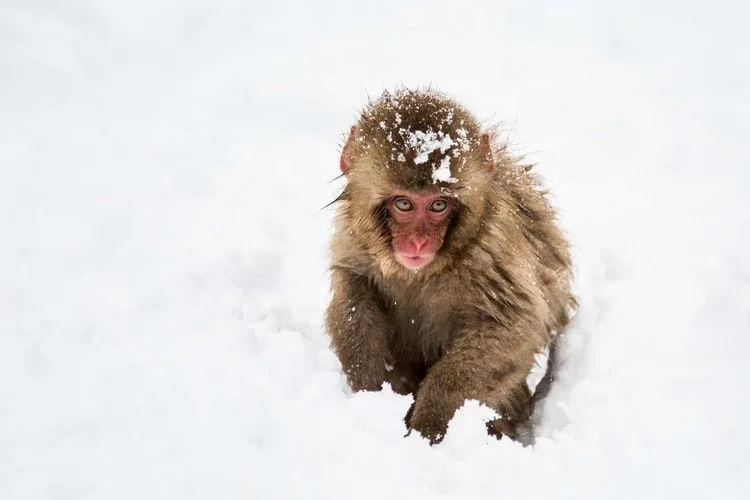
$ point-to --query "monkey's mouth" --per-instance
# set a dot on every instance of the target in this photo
(414, 261)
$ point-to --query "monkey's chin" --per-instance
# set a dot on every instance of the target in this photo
(413, 263)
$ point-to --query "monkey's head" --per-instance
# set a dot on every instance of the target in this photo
(418, 167)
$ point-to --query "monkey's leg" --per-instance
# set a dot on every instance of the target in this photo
(481, 366)
(514, 421)
(359, 331)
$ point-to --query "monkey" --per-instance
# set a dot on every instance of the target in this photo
(449, 271)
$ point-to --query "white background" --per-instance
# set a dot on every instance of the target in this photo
(163, 252)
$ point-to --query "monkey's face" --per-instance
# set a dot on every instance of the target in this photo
(418, 223)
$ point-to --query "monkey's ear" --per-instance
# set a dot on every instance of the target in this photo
(485, 147)
(345, 162)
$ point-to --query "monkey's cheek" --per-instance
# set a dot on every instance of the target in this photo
(414, 263)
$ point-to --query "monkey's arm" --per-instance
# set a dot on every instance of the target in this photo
(489, 365)
(359, 330)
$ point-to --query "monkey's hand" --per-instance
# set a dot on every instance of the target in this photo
(359, 331)
(430, 413)
(477, 367)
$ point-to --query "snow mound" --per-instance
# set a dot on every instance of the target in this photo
(163, 278)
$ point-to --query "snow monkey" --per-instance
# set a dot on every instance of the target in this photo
(448, 271)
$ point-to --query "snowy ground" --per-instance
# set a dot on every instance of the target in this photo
(163, 252)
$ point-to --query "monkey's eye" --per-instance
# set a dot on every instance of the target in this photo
(439, 205)
(403, 204)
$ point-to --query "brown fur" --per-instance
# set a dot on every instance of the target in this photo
(469, 324)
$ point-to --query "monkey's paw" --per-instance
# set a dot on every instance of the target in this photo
(430, 423)
(520, 432)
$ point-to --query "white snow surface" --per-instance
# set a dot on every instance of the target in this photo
(163, 252)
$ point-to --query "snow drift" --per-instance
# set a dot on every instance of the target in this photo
(163, 166)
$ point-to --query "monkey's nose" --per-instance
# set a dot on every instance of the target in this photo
(419, 242)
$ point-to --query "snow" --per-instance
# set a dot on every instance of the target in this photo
(425, 142)
(443, 172)
(163, 252)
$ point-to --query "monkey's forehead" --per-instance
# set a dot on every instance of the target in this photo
(447, 176)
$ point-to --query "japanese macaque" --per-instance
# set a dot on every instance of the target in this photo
(449, 273)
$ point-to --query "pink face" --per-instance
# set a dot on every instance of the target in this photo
(419, 221)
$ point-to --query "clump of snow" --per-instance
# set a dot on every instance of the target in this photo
(443, 172)
(425, 142)
(538, 370)
(463, 138)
